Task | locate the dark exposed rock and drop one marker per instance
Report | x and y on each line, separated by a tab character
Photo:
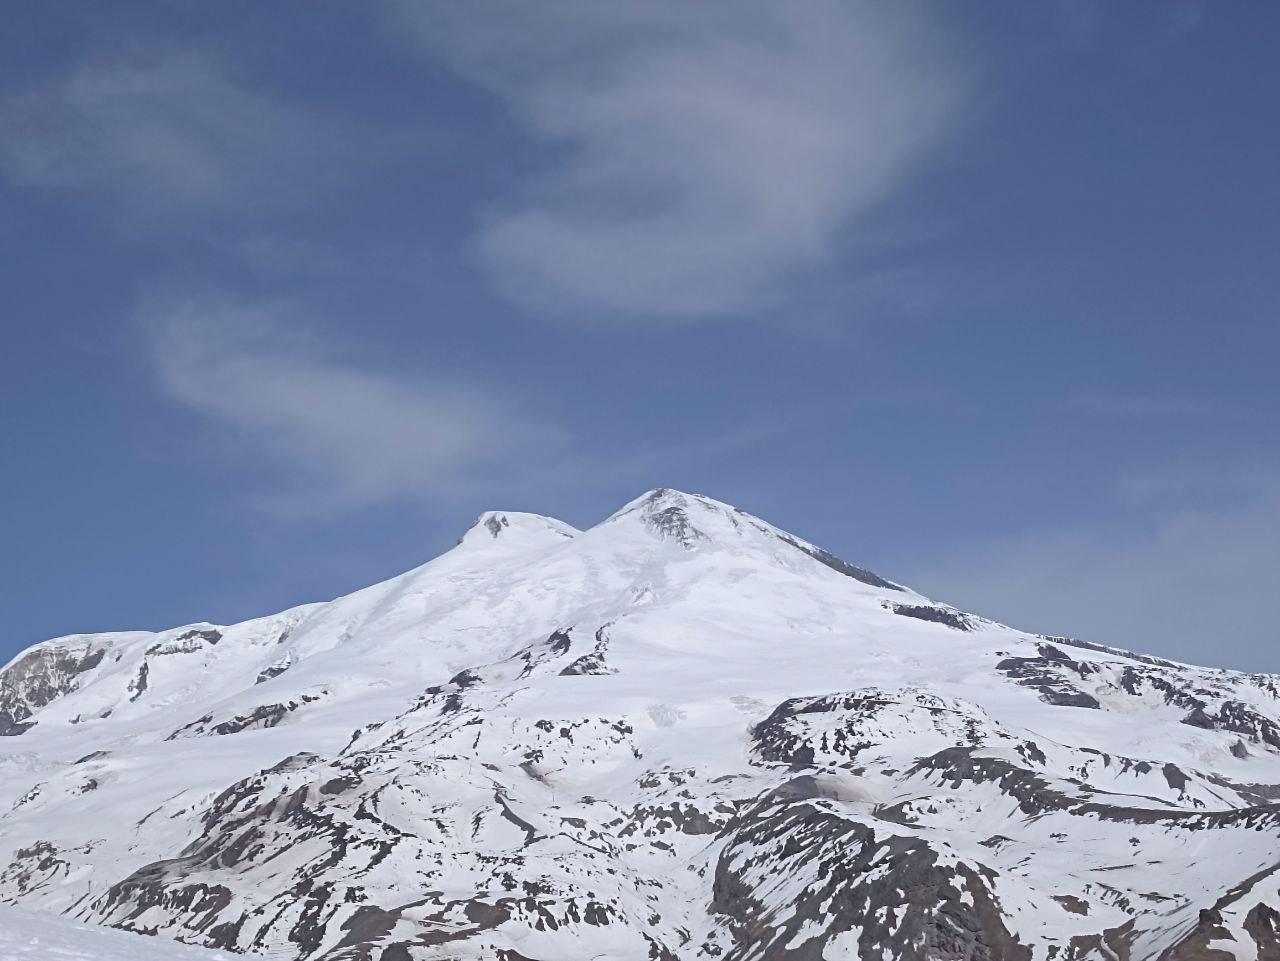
266	715
138	686
209	636
1262	923
338	785
935	615
1112	943
465	679
1105	649
188	642
11	728
673	522
295	762
1073	904
40	865
592	662
787	737
826	558
263	716
911	908
1037	795
1238	718
39	677
1205	707
272	670
1046	674
1254	794
687	818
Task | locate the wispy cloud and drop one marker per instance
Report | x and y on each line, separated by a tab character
326	431
1195	584
704	154
157	127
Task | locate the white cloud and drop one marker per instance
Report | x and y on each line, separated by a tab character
159	126
329	432
1197	585
705	153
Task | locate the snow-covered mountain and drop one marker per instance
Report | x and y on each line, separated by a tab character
680	734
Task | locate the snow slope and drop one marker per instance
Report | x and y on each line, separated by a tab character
680	734
28	936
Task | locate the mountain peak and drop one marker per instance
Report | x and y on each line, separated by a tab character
516	529
676	515
692	520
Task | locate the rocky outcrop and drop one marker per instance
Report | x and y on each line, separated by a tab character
39	677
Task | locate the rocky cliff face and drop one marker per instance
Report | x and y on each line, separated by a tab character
681	734
40	676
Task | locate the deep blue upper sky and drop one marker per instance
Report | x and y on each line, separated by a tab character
983	297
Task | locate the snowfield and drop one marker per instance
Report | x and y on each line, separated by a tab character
680	734
27	936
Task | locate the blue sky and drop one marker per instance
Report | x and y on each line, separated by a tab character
981	297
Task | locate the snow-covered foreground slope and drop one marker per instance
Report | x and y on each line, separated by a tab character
680	734
27	936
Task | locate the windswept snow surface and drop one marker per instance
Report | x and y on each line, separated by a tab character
680	734
27	936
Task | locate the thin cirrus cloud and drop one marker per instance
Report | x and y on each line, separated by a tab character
701	155
1190	581
329	433
155	127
